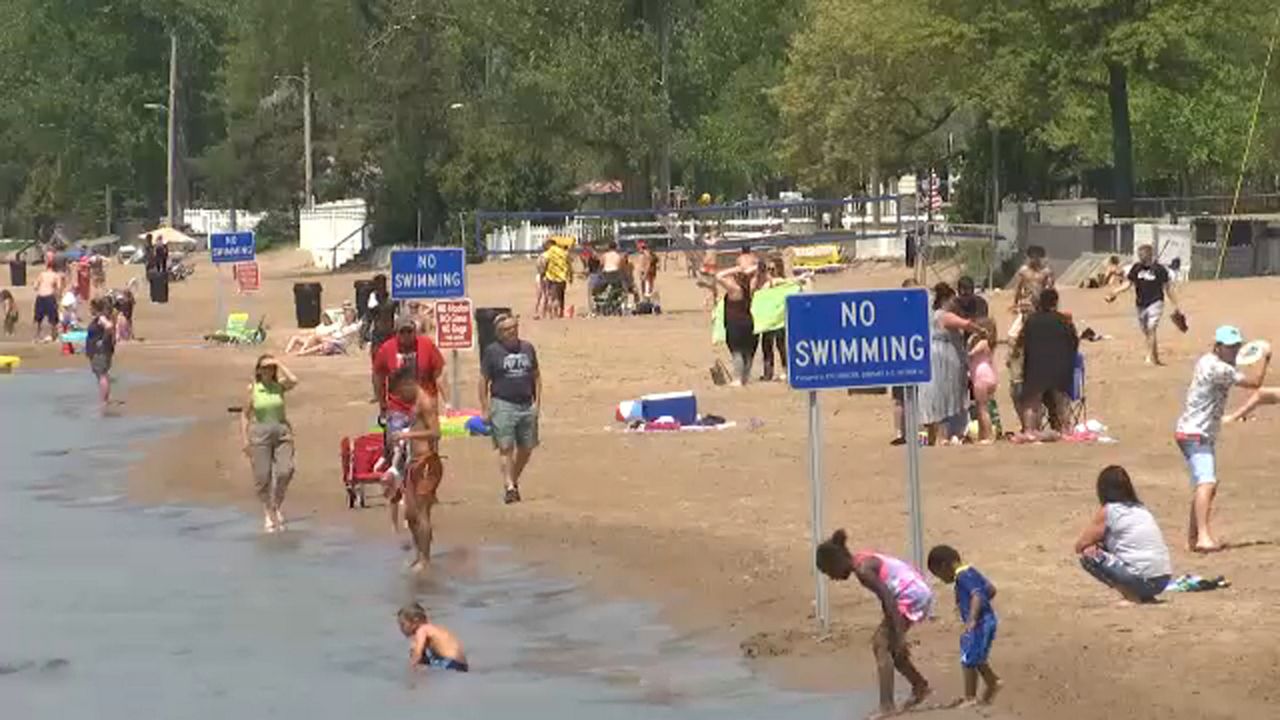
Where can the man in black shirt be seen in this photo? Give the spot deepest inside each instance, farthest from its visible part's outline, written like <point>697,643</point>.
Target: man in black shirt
<point>510,392</point>
<point>1150,282</point>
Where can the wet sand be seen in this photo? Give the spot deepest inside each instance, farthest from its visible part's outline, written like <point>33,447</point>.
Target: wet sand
<point>715,525</point>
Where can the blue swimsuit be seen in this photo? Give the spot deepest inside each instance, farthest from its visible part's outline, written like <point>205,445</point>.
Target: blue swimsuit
<point>430,659</point>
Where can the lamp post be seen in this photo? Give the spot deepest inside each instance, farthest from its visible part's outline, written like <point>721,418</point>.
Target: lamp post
<point>305,81</point>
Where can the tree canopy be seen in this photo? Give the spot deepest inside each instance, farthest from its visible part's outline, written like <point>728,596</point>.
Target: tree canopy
<point>433,108</point>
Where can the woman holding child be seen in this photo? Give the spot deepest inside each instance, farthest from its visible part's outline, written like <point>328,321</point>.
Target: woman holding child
<point>945,396</point>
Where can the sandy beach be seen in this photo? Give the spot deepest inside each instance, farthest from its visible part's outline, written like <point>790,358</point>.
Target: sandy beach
<point>715,525</point>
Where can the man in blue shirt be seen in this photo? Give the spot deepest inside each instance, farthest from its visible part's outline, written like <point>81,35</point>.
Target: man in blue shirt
<point>974,594</point>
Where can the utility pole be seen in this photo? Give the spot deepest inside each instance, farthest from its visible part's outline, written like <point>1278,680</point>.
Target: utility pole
<point>306,132</point>
<point>995,200</point>
<point>170,192</point>
<point>664,162</point>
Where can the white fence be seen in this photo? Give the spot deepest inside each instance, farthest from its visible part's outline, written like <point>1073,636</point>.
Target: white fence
<point>335,232</point>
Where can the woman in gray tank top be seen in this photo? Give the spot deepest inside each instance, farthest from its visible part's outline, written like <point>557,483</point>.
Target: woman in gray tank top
<point>1122,546</point>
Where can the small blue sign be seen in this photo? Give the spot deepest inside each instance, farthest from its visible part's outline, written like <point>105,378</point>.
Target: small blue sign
<point>869,338</point>
<point>428,274</point>
<point>233,247</point>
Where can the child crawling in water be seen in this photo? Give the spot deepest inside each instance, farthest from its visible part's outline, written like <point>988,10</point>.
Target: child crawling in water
<point>430,645</point>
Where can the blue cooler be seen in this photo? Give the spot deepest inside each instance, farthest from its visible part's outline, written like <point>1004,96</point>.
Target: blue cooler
<point>682,406</point>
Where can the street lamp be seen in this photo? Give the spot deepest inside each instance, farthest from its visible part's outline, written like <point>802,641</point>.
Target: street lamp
<point>305,81</point>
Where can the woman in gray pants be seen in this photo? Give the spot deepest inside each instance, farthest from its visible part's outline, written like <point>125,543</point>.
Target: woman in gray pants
<point>268,438</point>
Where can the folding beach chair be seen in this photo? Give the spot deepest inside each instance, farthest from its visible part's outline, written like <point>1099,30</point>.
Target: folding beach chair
<point>237,331</point>
<point>1077,399</point>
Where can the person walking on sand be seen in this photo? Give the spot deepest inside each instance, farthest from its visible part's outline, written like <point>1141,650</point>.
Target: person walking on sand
<point>974,595</point>
<point>1151,282</point>
<point>511,399</point>
<point>905,599</point>
<point>559,275</point>
<point>268,437</point>
<point>407,348</point>
<point>1197,429</point>
<point>49,286</point>
<point>1122,546</point>
<point>100,345</point>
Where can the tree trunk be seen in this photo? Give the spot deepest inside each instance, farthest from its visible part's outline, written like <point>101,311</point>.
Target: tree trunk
<point>1121,139</point>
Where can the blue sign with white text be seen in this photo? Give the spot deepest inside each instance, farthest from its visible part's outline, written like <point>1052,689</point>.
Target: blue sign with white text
<point>869,338</point>
<point>428,274</point>
<point>232,247</point>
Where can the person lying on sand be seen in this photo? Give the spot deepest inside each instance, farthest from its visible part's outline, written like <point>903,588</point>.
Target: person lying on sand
<point>905,599</point>
<point>430,645</point>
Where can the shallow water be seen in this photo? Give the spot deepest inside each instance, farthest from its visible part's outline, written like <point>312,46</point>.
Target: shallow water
<point>112,610</point>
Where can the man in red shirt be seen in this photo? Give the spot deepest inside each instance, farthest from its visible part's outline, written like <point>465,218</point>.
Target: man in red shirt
<point>406,347</point>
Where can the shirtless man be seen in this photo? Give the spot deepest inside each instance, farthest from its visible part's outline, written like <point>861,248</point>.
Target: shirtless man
<point>425,471</point>
<point>1033,278</point>
<point>707,273</point>
<point>648,269</point>
<point>49,286</point>
<point>430,645</point>
<point>616,269</point>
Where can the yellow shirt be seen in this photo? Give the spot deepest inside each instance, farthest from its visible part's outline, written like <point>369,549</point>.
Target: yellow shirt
<point>557,264</point>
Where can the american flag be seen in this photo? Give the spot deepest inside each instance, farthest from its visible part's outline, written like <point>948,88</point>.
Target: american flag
<point>930,192</point>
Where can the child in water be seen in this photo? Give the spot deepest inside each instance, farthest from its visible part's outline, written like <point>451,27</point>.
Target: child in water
<point>904,597</point>
<point>430,645</point>
<point>974,594</point>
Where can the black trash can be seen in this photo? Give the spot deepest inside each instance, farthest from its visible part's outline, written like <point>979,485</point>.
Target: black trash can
<point>306,304</point>
<point>485,333</point>
<point>17,273</point>
<point>364,288</point>
<point>158,281</point>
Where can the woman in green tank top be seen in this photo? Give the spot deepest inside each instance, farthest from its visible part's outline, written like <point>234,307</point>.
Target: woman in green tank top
<point>268,438</point>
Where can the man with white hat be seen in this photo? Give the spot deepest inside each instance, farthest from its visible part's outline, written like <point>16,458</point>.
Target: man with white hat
<point>1197,430</point>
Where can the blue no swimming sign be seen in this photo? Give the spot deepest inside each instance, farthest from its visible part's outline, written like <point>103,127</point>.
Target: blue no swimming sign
<point>428,274</point>
<point>868,338</point>
<point>233,247</point>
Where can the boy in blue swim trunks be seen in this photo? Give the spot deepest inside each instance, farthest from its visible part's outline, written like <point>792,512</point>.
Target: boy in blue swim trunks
<point>974,594</point>
<point>430,645</point>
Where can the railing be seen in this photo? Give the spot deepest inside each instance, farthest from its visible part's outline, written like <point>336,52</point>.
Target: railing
<point>333,251</point>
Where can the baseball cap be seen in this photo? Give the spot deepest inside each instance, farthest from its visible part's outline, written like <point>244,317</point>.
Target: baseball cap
<point>406,323</point>
<point>1228,335</point>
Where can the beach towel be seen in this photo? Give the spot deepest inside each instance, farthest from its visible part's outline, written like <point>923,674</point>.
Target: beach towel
<point>769,306</point>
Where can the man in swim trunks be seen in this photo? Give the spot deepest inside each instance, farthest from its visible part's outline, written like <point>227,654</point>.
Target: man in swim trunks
<point>430,645</point>
<point>905,599</point>
<point>49,286</point>
<point>648,268</point>
<point>1033,278</point>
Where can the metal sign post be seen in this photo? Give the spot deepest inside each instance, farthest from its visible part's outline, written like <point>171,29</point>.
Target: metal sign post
<point>863,339</point>
<point>915,509</point>
<point>821,607</point>
<point>229,249</point>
